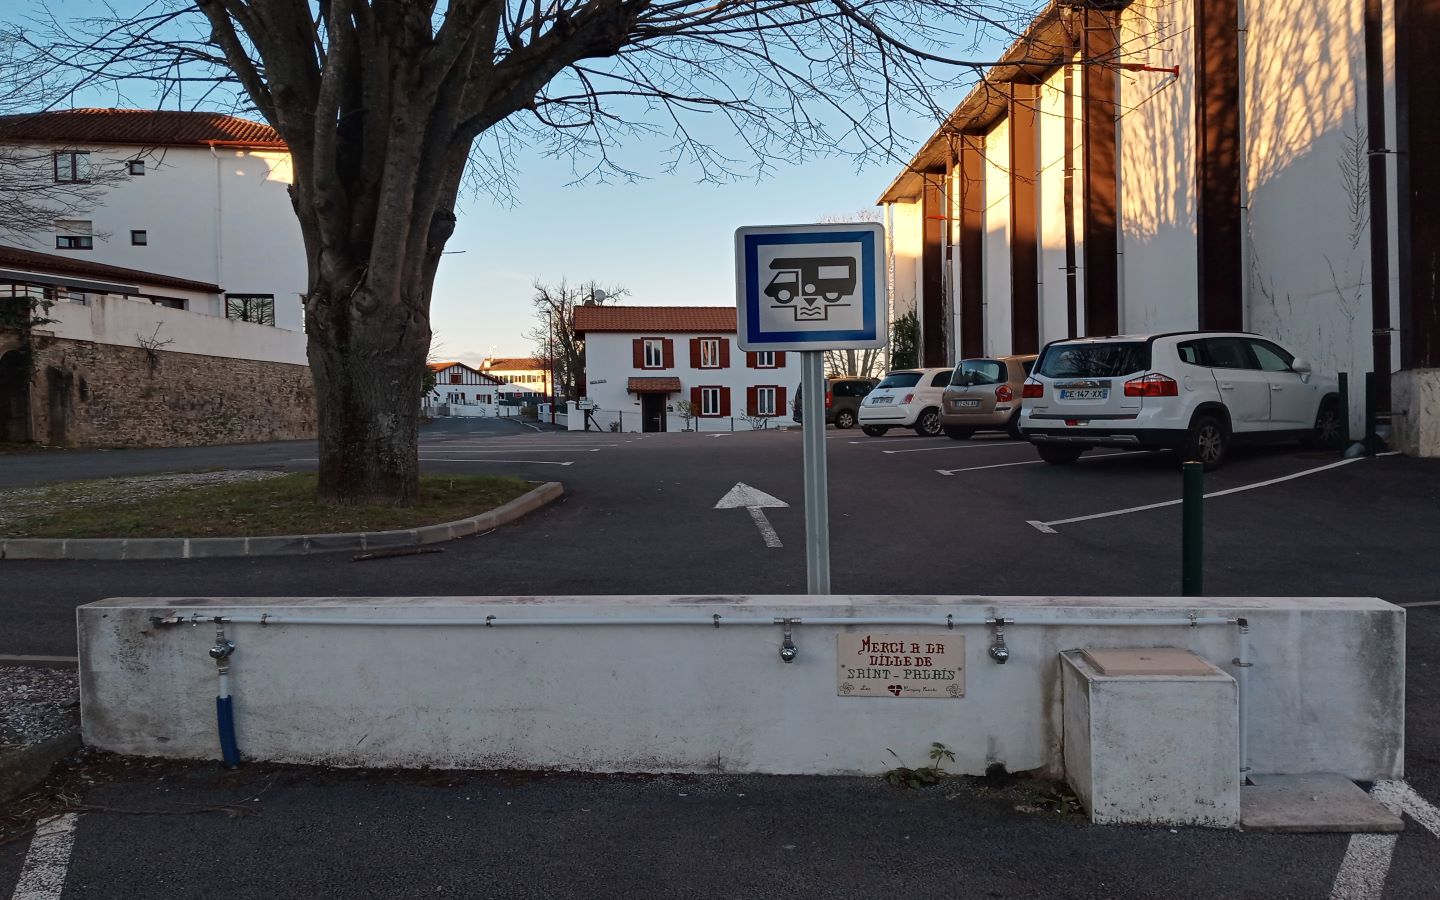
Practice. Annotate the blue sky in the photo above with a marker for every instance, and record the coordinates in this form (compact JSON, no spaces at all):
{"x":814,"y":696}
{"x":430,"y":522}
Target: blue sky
{"x":668,"y":240}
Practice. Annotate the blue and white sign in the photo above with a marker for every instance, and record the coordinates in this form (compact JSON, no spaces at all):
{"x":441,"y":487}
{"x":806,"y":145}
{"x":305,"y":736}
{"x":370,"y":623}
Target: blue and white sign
{"x":811,"y":287}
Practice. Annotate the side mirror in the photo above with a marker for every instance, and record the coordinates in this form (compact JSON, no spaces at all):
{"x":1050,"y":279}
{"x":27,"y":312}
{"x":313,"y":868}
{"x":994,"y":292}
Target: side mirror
{"x":1300,"y":366}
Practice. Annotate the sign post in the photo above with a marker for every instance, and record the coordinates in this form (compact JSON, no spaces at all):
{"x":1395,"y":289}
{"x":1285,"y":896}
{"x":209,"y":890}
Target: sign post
{"x":807,"y":289}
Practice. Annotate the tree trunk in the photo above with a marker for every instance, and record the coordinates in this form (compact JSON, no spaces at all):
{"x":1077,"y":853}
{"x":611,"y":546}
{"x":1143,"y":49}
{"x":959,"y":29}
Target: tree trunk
{"x":368,"y":380}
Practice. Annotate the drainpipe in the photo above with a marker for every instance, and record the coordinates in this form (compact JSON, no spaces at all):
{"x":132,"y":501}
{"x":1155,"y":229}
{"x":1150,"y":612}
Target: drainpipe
{"x":219,"y":226}
{"x":1242,"y":29}
{"x":1379,"y":200}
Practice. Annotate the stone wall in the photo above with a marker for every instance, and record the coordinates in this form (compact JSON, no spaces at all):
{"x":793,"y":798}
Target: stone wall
{"x":84,"y":394}
{"x":1415,"y":398}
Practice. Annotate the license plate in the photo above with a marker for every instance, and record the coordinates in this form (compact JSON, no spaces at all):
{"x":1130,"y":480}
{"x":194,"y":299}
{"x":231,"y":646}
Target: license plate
{"x":876,"y":401}
{"x":966,"y":404}
{"x":1085,"y":394}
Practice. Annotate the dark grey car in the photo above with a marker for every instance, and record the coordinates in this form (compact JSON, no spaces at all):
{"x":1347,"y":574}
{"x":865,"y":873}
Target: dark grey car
{"x":843,"y":394}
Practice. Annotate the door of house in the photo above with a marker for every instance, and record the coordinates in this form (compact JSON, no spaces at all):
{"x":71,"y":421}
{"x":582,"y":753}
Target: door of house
{"x":652,"y":412}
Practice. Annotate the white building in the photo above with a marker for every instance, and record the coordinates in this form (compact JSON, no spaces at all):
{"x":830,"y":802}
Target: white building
{"x":196,"y":196}
{"x":640,"y":361}
{"x":171,"y":302}
{"x":1163,"y":165}
{"x":463,"y":391}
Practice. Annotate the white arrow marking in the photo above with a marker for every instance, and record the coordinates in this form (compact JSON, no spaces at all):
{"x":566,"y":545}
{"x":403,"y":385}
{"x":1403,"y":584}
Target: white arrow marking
{"x":744,"y":496}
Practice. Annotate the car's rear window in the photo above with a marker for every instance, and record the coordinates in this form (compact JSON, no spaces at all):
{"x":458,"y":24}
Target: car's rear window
{"x":973,"y":372}
{"x":1104,"y":360}
{"x":900,"y":380}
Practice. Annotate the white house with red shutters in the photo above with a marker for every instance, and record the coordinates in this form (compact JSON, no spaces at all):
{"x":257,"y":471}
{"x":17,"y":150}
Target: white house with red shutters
{"x":641,"y":361}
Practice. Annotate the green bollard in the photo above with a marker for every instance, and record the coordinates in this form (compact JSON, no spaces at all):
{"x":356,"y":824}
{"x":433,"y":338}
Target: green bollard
{"x":1372,"y":443}
{"x":1192,"y":538}
{"x":1344,"y":410}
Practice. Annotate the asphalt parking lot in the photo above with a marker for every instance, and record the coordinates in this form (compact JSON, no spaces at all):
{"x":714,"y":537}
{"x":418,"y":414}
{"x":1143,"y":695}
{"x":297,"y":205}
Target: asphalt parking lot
{"x":909,"y":516}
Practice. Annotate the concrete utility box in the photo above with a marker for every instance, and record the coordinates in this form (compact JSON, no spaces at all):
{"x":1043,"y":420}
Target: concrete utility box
{"x":1151,"y":737}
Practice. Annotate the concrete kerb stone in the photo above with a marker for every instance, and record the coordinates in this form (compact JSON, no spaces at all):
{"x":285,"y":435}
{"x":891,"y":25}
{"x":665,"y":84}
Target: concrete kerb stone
{"x":26,"y":767}
{"x":280,"y":545}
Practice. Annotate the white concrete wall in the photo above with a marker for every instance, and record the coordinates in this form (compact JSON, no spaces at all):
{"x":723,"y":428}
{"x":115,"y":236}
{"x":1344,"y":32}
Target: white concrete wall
{"x":1054,"y":303}
{"x":609,"y":361}
{"x":996,"y":244}
{"x":1308,"y":244}
{"x":1326,"y":690}
{"x":1415,"y":395}
{"x":1156,"y":160}
{"x":906,"y":240}
{"x":222,"y":219}
{"x":128,"y":323}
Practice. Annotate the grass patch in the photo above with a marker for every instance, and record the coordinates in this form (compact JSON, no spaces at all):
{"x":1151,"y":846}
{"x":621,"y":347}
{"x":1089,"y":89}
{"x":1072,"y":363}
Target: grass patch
{"x":272,"y":506}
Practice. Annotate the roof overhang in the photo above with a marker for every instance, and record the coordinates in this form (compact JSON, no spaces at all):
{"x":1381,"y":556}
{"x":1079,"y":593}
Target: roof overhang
{"x":1041,"y":49}
{"x":25,"y":276}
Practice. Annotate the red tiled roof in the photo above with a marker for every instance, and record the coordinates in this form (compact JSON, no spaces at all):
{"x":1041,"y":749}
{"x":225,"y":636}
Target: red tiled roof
{"x":652,"y":319}
{"x":653,"y":386}
{"x":53,"y":263}
{"x":512,"y":364}
{"x":146,"y":127}
{"x":442,"y":366}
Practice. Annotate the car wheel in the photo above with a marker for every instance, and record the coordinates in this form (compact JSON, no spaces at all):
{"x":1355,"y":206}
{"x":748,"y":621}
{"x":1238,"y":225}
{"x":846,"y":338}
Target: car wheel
{"x":958,"y":433}
{"x":1012,"y":428}
{"x":875,"y":430}
{"x":1207,"y":442}
{"x":845,"y":419}
{"x":1059,"y":454}
{"x":1329,"y":431}
{"x":928,"y":424}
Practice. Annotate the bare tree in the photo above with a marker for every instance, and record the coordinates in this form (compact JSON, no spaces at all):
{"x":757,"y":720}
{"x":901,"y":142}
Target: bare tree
{"x":383,"y":102}
{"x":557,"y":346}
{"x":32,"y":195}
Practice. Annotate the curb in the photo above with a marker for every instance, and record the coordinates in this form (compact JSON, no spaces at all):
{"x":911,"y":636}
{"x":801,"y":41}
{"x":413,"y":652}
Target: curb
{"x":24,"y":769}
{"x":281,"y":545}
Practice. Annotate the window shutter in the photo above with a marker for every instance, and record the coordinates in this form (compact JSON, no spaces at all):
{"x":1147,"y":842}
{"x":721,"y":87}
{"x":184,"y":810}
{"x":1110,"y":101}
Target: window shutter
{"x":638,"y":353}
{"x":779,"y":359}
{"x":780,"y":408}
{"x":724,"y":401}
{"x":724,"y":352}
{"x":749,"y":360}
{"x":669,"y":346}
{"x":752,"y":400}
{"x":694,"y":353}
{"x":695,"y":401}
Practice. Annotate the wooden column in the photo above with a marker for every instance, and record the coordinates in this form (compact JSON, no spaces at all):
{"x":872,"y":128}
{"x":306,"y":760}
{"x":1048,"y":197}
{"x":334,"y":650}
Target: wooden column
{"x":972,"y":246}
{"x":1098,"y":89}
{"x":1024,"y":215}
{"x":1221,"y":289}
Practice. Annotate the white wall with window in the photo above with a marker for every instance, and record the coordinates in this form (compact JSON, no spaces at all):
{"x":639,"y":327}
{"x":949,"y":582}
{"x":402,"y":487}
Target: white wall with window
{"x":728,"y":386}
{"x":220,"y":215}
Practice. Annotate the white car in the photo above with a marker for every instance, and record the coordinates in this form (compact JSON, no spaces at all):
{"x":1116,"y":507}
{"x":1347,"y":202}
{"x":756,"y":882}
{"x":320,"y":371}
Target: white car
{"x":906,"y":398}
{"x":1197,"y":392}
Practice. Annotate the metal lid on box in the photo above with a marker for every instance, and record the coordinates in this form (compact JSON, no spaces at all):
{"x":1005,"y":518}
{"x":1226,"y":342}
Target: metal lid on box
{"x":1146,"y":661}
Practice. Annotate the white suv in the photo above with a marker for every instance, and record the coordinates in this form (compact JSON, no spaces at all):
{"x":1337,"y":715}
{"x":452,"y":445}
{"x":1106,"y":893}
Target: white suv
{"x":908,"y":398}
{"x":1195,"y":391}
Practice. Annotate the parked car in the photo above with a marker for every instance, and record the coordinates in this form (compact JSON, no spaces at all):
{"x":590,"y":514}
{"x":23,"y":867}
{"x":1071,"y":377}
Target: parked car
{"x":984,"y":395}
{"x":907,"y":398}
{"x":1198,"y":392}
{"x":843,"y":394}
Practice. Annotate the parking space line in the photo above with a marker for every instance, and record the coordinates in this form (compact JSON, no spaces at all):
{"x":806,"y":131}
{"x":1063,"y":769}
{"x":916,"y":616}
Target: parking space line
{"x":510,"y":450}
{"x":954,"y":446}
{"x":47,"y":862}
{"x":1363,"y":870}
{"x":534,"y":462}
{"x":1048,"y":527}
{"x":1399,"y":797}
{"x":1032,"y":462}
{"x":1420,"y":603}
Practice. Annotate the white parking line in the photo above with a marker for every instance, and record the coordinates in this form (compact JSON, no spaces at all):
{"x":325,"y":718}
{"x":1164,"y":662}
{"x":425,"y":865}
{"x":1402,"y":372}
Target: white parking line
{"x":954,"y":446}
{"x":1368,"y":856}
{"x":535,"y":462}
{"x":1049,"y":527}
{"x":1032,"y":462}
{"x":47,"y":861}
{"x":1420,"y":603}
{"x":509,"y":450}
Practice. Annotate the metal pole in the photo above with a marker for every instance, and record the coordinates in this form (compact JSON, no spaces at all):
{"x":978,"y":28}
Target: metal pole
{"x":1192,"y":538}
{"x":817,"y":499}
{"x":551,"y":386}
{"x":1344,"y":410}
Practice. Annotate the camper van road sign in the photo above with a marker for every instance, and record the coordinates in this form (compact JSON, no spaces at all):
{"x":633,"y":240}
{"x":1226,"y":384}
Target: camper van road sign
{"x":811,"y":287}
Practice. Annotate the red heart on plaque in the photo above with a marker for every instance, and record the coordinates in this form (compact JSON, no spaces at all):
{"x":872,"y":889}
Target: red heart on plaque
{"x":895,"y":689}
